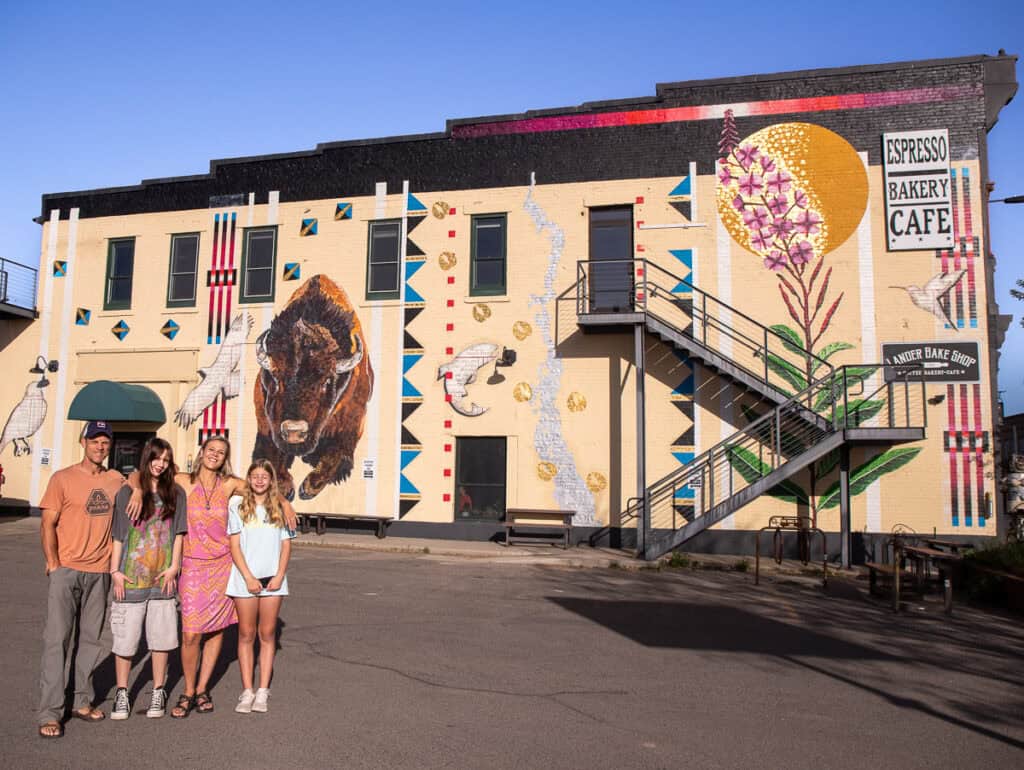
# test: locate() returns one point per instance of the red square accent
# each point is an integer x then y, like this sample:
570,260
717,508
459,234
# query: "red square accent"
449,351
448,375
451,233
447,472
451,279
639,199
448,423
638,223
639,296
447,447
639,272
446,497
451,210
641,247
448,398
449,327
451,303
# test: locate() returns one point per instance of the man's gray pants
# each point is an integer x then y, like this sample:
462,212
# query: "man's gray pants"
73,596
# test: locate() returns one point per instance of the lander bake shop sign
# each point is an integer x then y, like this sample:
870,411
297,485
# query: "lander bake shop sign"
918,194
931,361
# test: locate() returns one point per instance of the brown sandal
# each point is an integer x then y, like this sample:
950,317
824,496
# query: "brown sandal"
183,707
204,703
46,727
92,715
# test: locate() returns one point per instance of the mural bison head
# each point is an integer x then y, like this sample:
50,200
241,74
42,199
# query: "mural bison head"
314,382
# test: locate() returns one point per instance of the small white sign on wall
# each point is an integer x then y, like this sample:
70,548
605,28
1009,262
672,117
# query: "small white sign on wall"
44,456
918,190
369,468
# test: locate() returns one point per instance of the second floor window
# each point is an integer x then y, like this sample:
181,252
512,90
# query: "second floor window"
120,267
259,257
383,260
181,278
487,255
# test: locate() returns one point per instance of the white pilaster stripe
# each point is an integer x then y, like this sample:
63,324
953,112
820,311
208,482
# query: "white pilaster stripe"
66,326
376,356
45,313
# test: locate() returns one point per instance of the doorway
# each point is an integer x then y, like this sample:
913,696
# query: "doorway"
611,241
126,450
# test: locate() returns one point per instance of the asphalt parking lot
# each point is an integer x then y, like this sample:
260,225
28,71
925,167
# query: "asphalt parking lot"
420,660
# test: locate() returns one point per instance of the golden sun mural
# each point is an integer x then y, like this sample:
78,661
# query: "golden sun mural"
818,162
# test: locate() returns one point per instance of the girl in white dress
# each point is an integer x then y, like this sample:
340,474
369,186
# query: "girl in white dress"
260,548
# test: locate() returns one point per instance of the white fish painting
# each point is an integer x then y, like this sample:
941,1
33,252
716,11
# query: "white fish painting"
461,371
25,419
222,376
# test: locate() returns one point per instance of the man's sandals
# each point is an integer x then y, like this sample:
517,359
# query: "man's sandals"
51,729
184,706
90,715
204,703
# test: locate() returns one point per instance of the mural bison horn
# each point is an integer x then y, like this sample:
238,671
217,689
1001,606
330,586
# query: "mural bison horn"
314,383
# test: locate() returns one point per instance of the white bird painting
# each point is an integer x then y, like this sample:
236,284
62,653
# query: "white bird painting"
461,371
25,419
929,298
222,376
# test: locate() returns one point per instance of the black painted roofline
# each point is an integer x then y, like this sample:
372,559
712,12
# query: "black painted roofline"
661,90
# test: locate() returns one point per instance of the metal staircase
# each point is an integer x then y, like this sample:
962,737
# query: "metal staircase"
828,416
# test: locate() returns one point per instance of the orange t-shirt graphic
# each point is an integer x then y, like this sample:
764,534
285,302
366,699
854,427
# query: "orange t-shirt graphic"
85,502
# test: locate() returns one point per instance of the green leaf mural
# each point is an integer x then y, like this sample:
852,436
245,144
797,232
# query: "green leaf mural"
855,375
787,371
867,474
859,411
752,469
791,338
828,351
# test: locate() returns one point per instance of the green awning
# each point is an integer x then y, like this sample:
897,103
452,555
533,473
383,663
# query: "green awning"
117,401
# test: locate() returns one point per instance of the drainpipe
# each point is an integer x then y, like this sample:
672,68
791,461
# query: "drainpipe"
644,521
844,504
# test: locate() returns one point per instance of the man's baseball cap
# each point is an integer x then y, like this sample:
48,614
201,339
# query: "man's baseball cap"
98,428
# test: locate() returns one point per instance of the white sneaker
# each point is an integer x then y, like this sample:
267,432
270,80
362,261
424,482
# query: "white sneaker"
157,704
245,702
259,703
122,707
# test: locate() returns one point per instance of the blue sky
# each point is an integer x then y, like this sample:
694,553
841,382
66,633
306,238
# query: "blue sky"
107,94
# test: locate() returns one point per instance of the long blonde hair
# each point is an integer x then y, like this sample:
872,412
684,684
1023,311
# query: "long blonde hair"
225,469
275,511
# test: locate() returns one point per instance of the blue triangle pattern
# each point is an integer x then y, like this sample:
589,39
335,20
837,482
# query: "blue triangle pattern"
411,268
411,295
409,360
405,486
414,204
408,391
684,388
683,188
683,457
408,455
683,255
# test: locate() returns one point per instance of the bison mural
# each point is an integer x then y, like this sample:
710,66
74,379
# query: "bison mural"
314,382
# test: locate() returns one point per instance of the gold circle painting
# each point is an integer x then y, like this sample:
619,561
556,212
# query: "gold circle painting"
481,312
521,330
447,260
546,471
522,392
439,209
792,171
576,402
596,482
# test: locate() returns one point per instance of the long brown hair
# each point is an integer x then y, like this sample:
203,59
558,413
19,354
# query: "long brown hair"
164,482
275,511
225,469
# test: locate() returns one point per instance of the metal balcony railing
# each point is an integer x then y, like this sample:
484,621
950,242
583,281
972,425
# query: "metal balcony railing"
18,284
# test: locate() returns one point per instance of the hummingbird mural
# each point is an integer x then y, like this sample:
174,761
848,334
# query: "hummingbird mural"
930,297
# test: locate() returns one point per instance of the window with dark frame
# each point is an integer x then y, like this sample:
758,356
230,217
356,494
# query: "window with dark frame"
383,257
488,252
184,264
120,267
259,261
480,477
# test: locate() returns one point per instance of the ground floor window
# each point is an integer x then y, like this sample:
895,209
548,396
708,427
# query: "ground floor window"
480,477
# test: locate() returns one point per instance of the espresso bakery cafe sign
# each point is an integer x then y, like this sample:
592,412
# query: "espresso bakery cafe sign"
932,361
918,194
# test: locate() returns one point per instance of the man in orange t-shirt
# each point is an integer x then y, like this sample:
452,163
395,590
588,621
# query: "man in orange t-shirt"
75,531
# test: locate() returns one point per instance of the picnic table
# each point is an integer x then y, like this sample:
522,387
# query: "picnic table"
923,558
954,546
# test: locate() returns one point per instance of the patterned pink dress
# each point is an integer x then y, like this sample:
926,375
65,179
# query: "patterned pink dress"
206,564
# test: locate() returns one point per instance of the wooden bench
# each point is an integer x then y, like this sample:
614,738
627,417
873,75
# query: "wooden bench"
306,519
534,522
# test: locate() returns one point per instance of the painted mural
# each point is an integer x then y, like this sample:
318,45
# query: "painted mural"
314,382
933,297
25,418
791,194
221,378
461,371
